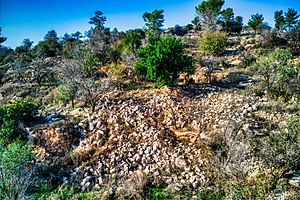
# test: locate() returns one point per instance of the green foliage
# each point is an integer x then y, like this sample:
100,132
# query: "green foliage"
162,59
230,23
6,55
50,47
16,170
9,131
178,30
19,110
132,39
227,15
47,48
212,6
98,20
256,22
279,20
256,189
11,114
51,35
281,150
291,18
157,193
209,11
89,63
68,92
154,21
66,192
279,74
196,23
213,42
2,39
210,195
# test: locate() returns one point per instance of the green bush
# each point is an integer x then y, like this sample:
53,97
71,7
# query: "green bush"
10,116
281,150
9,131
89,63
278,73
16,170
162,59
19,110
213,42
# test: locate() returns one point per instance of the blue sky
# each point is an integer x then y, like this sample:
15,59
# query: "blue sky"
31,19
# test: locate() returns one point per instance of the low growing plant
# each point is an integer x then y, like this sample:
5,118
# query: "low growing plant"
213,42
16,170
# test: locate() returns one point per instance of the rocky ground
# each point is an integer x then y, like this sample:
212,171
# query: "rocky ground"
162,133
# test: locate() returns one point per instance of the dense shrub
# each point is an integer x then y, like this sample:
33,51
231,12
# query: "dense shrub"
16,170
162,59
279,75
10,116
281,150
89,63
213,42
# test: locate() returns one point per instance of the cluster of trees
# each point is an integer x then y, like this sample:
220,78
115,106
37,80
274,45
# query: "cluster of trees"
110,47
287,21
212,17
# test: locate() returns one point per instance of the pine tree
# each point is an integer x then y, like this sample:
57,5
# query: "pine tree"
279,20
291,18
256,22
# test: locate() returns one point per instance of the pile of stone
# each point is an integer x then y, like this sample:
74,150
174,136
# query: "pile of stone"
52,142
158,132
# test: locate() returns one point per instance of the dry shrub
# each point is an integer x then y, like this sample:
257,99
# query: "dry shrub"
272,39
230,154
133,188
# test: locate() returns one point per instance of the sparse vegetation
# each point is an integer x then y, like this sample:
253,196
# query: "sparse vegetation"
208,110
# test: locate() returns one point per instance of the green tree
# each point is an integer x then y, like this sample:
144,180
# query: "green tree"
276,71
89,63
256,22
47,48
196,23
2,39
50,47
16,170
162,59
25,47
154,21
230,23
77,36
98,20
291,18
279,20
209,11
51,35
239,20
99,37
227,15
132,39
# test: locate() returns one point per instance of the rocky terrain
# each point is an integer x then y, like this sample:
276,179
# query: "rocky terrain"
211,131
162,133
